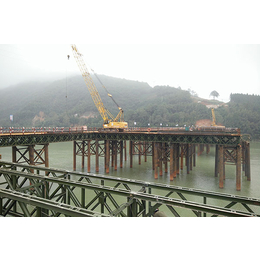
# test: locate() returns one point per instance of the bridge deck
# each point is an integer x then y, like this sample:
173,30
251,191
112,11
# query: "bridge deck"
179,135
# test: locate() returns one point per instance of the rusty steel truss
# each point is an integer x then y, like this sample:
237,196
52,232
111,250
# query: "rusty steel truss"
190,137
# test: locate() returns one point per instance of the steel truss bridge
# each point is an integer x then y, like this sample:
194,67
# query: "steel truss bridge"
172,135
33,191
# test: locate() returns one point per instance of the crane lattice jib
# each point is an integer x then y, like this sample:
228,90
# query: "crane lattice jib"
120,116
213,117
90,84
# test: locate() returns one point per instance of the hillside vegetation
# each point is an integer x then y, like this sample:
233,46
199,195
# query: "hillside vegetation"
243,111
68,103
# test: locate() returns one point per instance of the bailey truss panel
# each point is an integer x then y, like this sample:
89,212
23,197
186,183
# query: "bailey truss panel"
189,137
54,192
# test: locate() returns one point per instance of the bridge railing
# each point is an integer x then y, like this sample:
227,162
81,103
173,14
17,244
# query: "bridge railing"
43,130
81,129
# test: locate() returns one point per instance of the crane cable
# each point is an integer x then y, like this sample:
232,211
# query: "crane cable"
105,89
67,86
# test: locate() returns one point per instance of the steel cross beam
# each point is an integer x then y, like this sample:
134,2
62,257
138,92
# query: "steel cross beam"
143,196
136,197
62,208
188,137
165,187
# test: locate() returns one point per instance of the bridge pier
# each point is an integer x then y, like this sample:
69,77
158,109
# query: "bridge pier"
188,158
174,154
174,160
156,160
236,155
107,149
246,159
140,148
31,154
107,155
162,153
238,167
201,148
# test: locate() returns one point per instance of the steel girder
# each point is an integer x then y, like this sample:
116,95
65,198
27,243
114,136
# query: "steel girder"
55,207
189,137
71,188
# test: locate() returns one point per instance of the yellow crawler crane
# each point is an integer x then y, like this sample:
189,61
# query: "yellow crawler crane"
110,122
213,117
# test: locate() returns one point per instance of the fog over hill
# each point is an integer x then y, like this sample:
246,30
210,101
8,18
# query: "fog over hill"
67,102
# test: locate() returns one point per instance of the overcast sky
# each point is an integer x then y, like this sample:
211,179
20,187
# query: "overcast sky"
199,45
232,68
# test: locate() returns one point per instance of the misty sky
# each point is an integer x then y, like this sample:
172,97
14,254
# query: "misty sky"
200,67
199,45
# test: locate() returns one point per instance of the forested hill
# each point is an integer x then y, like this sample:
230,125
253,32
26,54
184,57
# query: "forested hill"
243,111
67,102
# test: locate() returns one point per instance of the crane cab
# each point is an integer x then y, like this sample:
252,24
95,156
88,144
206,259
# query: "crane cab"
115,125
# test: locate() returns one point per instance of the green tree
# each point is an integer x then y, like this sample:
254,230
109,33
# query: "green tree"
214,94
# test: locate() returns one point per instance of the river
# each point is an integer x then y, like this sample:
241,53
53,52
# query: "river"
201,176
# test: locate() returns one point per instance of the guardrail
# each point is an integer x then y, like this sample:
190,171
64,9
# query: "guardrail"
82,129
43,130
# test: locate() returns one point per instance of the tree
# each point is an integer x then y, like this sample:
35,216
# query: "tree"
192,92
214,94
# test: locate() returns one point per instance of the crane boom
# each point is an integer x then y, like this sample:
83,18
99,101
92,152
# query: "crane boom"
89,82
213,117
109,120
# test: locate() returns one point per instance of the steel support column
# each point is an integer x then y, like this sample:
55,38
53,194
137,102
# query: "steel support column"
83,155
89,154
247,161
172,162
74,155
188,158
221,166
131,153
121,153
115,154
238,168
156,148
160,158
216,160
107,155
31,154
194,155
182,154
139,153
97,156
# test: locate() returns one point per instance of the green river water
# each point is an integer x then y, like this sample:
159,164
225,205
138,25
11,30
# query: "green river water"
201,176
